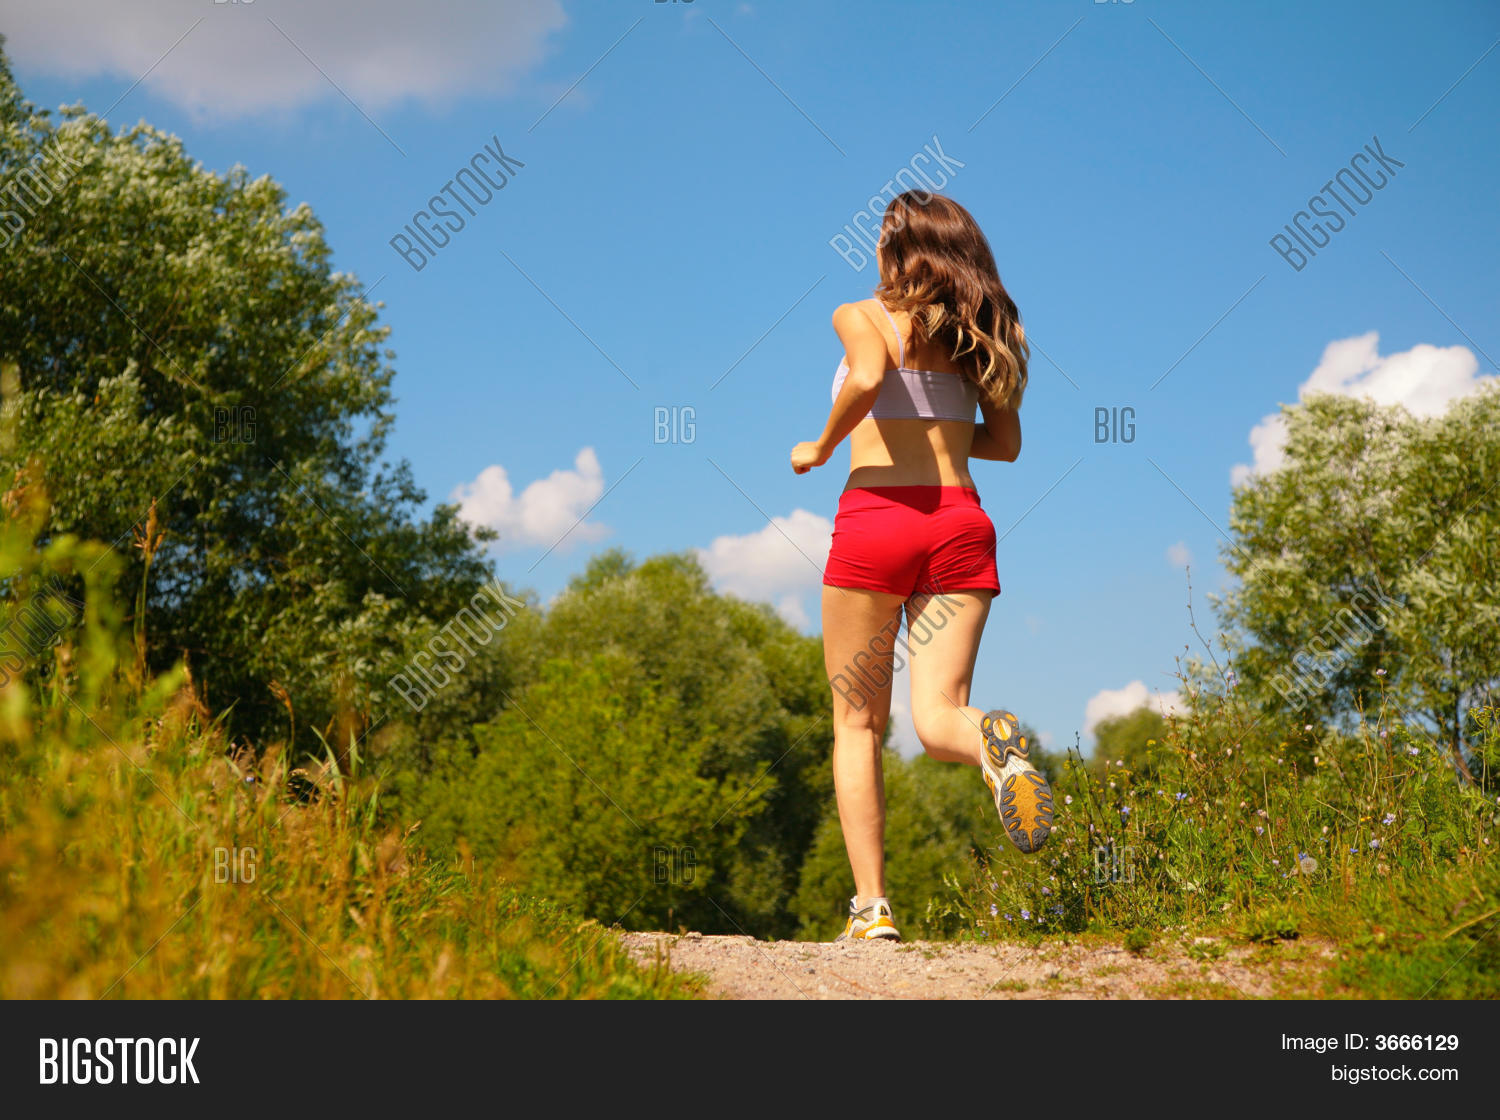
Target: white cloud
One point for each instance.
(1424, 379)
(235, 62)
(541, 513)
(1122, 701)
(780, 563)
(1179, 555)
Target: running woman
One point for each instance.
(910, 535)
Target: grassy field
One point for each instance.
(150, 865)
(141, 857)
(1364, 840)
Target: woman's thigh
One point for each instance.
(860, 629)
(943, 632)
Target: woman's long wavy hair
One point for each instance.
(936, 265)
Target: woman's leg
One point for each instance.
(943, 632)
(860, 629)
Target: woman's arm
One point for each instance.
(865, 354)
(999, 437)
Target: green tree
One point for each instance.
(1367, 567)
(711, 719)
(1129, 738)
(186, 352)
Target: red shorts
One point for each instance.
(907, 540)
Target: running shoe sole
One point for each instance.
(1022, 796)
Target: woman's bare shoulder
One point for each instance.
(854, 316)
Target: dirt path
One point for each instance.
(744, 968)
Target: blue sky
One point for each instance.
(666, 246)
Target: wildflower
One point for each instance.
(1388, 818)
(1125, 811)
(1353, 851)
(1413, 750)
(1383, 733)
(1046, 890)
(1279, 761)
(1261, 813)
(1277, 862)
(1058, 909)
(1259, 831)
(1180, 795)
(1025, 915)
(1008, 918)
(1244, 805)
(1307, 727)
(994, 910)
(1306, 864)
(1067, 799)
(1325, 830)
(1374, 843)
(1380, 672)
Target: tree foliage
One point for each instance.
(185, 348)
(661, 758)
(1368, 567)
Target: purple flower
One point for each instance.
(1380, 672)
(1412, 750)
(994, 910)
(1025, 915)
(1259, 831)
(1388, 818)
(1046, 890)
(1180, 796)
(1008, 918)
(1374, 843)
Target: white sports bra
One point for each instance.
(917, 394)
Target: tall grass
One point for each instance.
(1366, 839)
(141, 857)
